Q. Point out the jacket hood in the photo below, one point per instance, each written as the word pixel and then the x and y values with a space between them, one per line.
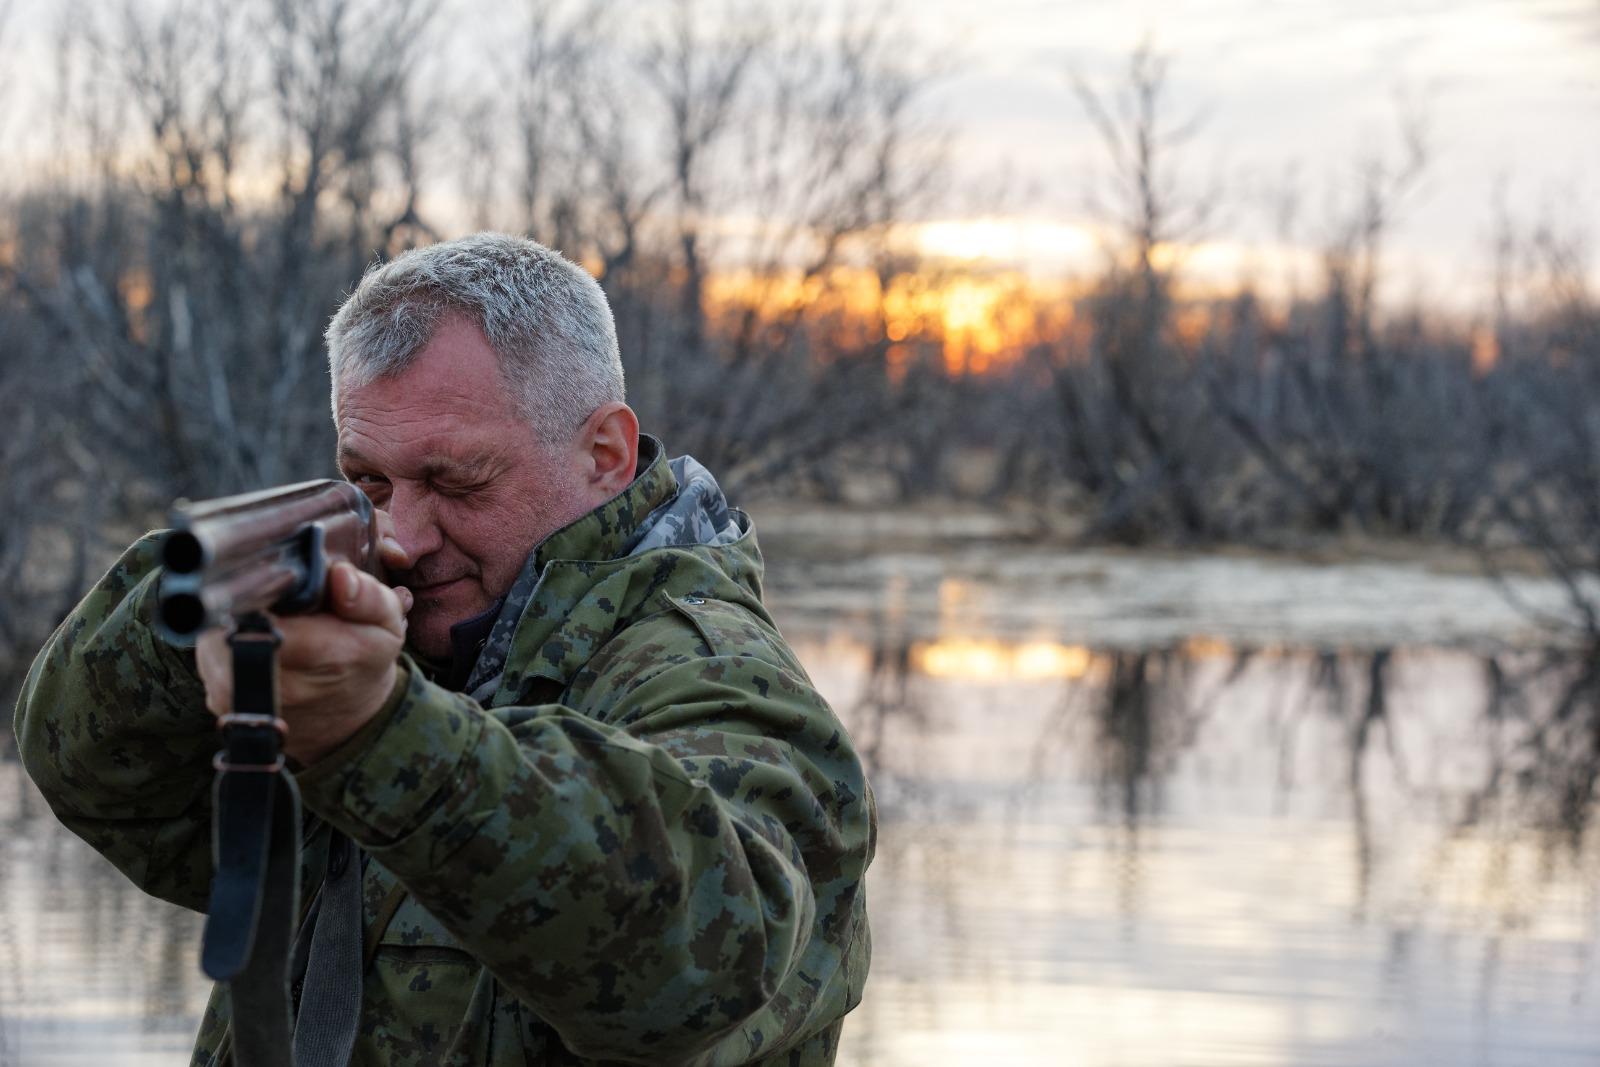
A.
pixel 696 514
pixel 670 534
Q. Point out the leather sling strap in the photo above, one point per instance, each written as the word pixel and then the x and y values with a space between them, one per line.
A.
pixel 256 848
pixel 250 922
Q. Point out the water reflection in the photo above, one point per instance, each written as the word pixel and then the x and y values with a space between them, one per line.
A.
pixel 86 963
pixel 1546 711
pixel 1193 851
pixel 1269 854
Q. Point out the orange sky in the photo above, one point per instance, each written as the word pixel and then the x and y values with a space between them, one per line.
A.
pixel 1290 98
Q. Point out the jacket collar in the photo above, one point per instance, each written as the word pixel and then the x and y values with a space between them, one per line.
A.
pixel 586 583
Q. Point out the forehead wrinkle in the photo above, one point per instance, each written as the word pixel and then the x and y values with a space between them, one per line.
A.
pixel 390 402
pixel 401 428
pixel 434 417
pixel 435 453
pixel 402 419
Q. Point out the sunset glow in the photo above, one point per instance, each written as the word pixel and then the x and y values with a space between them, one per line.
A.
pixel 987 659
pixel 977 321
pixel 1040 244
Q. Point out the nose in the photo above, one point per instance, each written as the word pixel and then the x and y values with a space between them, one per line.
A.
pixel 416 526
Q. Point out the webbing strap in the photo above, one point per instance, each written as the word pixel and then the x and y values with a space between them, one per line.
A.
pixel 380 923
pixel 330 999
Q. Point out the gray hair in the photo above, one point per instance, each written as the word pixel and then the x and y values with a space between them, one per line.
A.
pixel 545 317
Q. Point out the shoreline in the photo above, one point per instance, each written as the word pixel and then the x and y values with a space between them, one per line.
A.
pixel 799 527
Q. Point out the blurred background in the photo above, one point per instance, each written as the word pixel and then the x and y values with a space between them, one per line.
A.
pixel 1173 428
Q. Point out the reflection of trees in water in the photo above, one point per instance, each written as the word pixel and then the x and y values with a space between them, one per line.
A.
pixel 1135 713
pixel 1130 769
pixel 1139 711
pixel 886 695
pixel 14 826
pixel 117 945
pixel 1364 711
pixel 918 844
pixel 1522 831
pixel 1534 809
pixel 1466 819
pixel 1132 716
pixel 1540 722
pixel 1546 714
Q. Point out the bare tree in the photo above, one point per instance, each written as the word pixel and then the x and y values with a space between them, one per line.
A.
pixel 698 81
pixel 1361 425
pixel 163 310
pixel 835 156
pixel 1134 433
pixel 1353 257
pixel 1148 194
pixel 720 133
pixel 1544 483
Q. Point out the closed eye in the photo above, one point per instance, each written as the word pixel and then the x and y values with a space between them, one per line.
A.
pixel 456 490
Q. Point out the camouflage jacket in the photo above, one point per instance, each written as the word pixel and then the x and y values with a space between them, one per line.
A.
pixel 647 846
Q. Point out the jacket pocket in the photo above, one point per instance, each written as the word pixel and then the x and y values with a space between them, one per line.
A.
pixel 420 987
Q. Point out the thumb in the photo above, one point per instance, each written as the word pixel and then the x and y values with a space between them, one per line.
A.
pixel 356 596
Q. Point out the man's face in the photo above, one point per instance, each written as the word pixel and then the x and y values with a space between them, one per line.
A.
pixel 469 485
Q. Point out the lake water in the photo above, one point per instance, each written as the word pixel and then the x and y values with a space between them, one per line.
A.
pixel 1134 810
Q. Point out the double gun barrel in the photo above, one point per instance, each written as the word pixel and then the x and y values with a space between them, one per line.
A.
pixel 264 551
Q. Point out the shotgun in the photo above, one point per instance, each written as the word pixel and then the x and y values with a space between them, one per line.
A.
pixel 226 563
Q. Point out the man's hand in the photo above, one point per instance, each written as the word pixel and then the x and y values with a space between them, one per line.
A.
pixel 336 668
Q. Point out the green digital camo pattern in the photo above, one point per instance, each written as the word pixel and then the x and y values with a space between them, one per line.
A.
pixel 648 849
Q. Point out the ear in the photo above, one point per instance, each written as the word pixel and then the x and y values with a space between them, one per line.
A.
pixel 610 442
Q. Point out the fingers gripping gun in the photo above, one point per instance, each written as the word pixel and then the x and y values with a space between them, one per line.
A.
pixel 226 563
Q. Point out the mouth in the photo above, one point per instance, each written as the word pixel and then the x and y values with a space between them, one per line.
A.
pixel 433 589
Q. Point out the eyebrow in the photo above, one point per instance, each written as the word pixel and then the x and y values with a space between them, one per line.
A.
pixel 470 468
pixel 348 457
pixel 433 467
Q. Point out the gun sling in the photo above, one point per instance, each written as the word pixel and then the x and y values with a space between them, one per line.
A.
pixel 250 921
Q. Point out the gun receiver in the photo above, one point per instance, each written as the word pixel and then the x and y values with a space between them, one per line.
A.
pixel 263 551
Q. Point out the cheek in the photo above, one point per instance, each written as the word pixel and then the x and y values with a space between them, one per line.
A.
pixel 496 539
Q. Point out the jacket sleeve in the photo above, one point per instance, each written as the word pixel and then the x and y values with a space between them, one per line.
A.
pixel 112 726
pixel 677 883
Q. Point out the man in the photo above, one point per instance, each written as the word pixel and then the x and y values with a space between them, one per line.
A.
pixel 602 814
